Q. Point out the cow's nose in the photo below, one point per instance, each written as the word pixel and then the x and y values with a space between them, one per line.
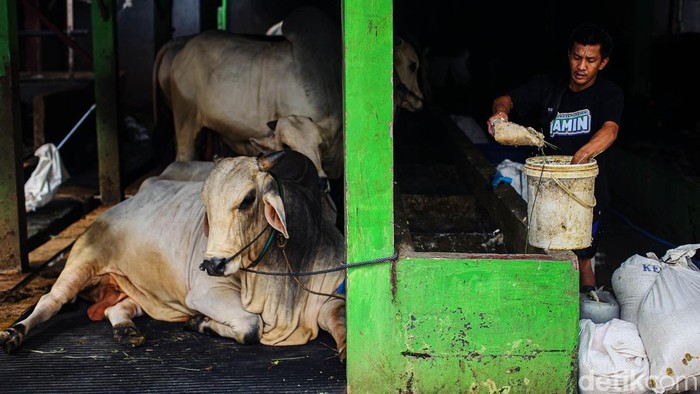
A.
pixel 214 266
pixel 324 185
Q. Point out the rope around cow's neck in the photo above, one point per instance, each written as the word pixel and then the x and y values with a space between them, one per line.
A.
pixel 341 267
pixel 265 248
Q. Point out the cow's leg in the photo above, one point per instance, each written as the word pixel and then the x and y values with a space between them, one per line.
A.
pixel 223 314
pixel 72 280
pixel 186 130
pixel 332 319
pixel 124 329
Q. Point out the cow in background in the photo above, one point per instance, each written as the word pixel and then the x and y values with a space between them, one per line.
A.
pixel 182 251
pixel 235 84
pixel 284 132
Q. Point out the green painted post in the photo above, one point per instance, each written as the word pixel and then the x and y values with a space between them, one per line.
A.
pixel 368 71
pixel 104 54
pixel 440 322
pixel 13 225
pixel 221 14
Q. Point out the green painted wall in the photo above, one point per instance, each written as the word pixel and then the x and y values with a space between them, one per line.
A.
pixel 486 325
pixel 427 323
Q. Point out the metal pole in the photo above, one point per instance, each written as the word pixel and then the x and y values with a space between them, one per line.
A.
pixel 69 31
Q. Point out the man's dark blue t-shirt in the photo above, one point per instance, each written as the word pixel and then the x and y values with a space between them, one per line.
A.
pixel 569 119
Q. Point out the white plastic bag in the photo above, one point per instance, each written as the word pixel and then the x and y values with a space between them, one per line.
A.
pixel 611 358
pixel 48 175
pixel 514 171
pixel 669 324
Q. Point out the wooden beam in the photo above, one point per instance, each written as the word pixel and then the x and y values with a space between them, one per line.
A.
pixel 13 225
pixel 32 43
pixel 104 52
pixel 31 7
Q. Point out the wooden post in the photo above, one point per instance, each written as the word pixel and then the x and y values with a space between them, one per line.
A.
pixel 13 225
pixel 368 43
pixel 162 23
pixel 32 23
pixel 104 54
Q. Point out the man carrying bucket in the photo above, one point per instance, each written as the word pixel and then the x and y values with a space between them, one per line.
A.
pixel 580 114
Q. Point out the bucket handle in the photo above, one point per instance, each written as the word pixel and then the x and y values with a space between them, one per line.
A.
pixel 572 195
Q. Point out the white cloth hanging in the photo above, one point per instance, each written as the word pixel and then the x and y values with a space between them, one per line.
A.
pixel 48 175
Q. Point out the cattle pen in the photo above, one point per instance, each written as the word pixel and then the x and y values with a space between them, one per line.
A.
pixel 457 302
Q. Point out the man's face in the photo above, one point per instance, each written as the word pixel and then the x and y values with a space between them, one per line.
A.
pixel 584 63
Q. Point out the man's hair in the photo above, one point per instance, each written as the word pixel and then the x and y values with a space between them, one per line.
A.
pixel 588 34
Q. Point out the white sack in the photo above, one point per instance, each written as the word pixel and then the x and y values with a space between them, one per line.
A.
pixel 611 358
pixel 48 175
pixel 669 324
pixel 681 255
pixel 631 281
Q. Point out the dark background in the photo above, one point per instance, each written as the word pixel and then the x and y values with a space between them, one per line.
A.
pixel 498 45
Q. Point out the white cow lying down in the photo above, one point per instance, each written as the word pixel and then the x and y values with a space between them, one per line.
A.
pixel 234 84
pixel 148 255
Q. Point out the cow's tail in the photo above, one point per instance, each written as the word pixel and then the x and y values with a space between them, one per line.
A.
pixel 156 66
pixel 166 53
pixel 160 94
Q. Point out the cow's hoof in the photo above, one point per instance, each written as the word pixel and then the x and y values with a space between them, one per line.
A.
pixel 12 338
pixel 343 355
pixel 128 335
pixel 195 323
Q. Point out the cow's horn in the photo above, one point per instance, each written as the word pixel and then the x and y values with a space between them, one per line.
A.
pixel 268 161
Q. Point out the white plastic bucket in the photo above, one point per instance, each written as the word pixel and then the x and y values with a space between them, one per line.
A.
pixel 602 310
pixel 561 202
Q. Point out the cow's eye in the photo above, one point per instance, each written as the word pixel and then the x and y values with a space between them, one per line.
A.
pixel 248 200
pixel 413 67
pixel 285 146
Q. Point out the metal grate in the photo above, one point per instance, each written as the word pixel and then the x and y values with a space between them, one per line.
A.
pixel 70 353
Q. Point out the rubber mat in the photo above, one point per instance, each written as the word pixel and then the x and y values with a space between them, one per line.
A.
pixel 71 354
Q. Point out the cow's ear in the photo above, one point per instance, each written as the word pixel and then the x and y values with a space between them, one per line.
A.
pixel 274 213
pixel 205 225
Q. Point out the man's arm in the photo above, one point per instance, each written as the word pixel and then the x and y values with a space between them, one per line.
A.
pixel 501 108
pixel 600 141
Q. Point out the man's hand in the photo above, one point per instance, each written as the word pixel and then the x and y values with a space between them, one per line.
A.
pixel 501 108
pixel 582 156
pixel 600 141
pixel 497 117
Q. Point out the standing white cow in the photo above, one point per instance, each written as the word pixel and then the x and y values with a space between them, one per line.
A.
pixel 147 255
pixel 235 84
